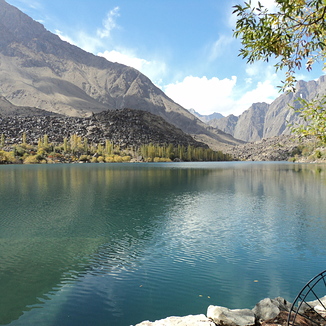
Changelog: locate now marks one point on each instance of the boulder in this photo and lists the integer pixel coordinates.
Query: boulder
(231, 317)
(282, 318)
(269, 308)
(317, 305)
(191, 320)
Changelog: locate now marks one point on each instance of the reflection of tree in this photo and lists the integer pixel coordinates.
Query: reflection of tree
(63, 221)
(71, 217)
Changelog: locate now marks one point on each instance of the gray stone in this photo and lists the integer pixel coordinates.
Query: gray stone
(191, 320)
(270, 308)
(231, 317)
(115, 125)
(317, 305)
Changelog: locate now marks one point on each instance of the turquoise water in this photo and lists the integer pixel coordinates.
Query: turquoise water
(116, 244)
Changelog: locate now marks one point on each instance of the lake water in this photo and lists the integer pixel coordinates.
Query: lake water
(116, 244)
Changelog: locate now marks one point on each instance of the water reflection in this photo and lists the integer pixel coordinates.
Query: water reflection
(92, 238)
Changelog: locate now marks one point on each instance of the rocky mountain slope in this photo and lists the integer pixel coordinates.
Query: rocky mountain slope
(40, 70)
(280, 148)
(126, 128)
(264, 120)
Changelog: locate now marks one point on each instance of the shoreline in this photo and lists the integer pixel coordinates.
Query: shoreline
(267, 312)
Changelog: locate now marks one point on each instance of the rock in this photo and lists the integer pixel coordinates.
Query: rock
(118, 126)
(280, 148)
(282, 318)
(317, 305)
(269, 308)
(235, 317)
(191, 320)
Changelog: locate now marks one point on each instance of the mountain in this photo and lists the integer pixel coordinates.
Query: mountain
(206, 118)
(126, 127)
(249, 126)
(264, 120)
(40, 70)
(8, 109)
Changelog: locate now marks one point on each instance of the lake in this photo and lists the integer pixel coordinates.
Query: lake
(116, 244)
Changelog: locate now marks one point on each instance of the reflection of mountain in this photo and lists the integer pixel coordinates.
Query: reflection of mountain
(48, 239)
(237, 194)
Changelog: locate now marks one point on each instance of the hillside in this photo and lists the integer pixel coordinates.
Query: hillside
(40, 70)
(262, 120)
(126, 128)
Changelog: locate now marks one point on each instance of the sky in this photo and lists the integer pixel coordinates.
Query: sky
(186, 47)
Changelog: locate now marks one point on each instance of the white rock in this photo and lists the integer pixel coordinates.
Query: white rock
(269, 308)
(316, 304)
(191, 320)
(231, 317)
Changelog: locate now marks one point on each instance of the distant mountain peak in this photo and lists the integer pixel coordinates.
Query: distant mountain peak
(264, 120)
(206, 118)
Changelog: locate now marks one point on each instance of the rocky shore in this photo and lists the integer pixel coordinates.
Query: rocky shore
(280, 148)
(132, 128)
(267, 312)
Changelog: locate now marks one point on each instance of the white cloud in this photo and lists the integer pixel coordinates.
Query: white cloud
(82, 40)
(214, 95)
(90, 42)
(271, 5)
(218, 47)
(33, 4)
(263, 92)
(109, 23)
(204, 95)
(64, 37)
(153, 69)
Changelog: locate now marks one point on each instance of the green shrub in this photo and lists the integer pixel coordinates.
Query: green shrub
(83, 158)
(32, 159)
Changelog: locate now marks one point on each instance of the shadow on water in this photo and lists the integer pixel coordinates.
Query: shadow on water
(94, 225)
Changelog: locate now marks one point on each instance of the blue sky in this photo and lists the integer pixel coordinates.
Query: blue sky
(186, 47)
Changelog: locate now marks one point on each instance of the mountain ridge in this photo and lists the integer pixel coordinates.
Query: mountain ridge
(262, 120)
(40, 70)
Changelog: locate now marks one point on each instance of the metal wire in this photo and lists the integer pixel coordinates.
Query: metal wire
(301, 305)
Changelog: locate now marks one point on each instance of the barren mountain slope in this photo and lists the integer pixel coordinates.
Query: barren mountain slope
(264, 120)
(38, 69)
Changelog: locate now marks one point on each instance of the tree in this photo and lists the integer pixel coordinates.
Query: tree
(295, 35)
(24, 138)
(85, 145)
(65, 145)
(2, 140)
(108, 147)
(314, 114)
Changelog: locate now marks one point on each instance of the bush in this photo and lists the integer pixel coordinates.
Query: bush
(109, 159)
(117, 158)
(161, 159)
(83, 158)
(4, 157)
(32, 159)
(126, 158)
(19, 151)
